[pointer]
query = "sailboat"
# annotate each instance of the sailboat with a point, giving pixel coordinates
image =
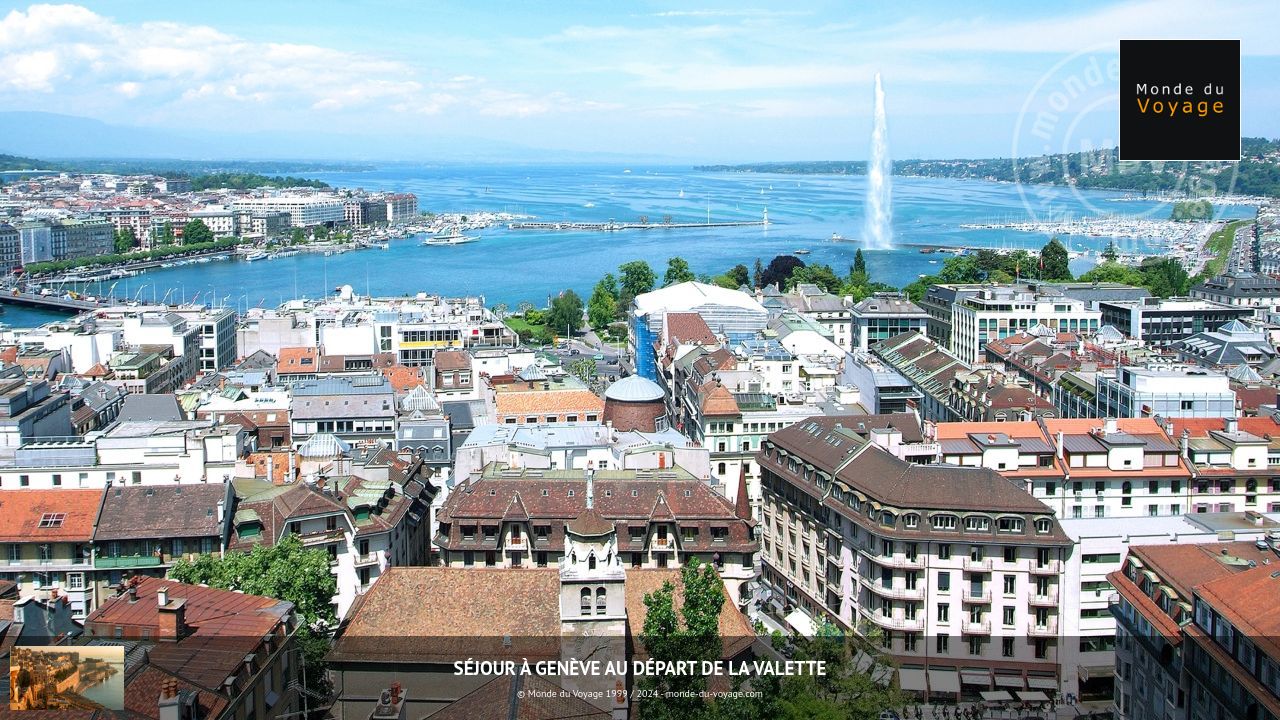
(681, 192)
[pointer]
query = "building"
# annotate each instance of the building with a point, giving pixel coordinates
(635, 403)
(48, 543)
(65, 239)
(304, 210)
(10, 248)
(958, 568)
(1235, 463)
(1164, 390)
(517, 517)
(724, 311)
(996, 312)
(929, 367)
(531, 397)
(401, 207)
(133, 216)
(1195, 629)
(30, 410)
(882, 316)
(366, 523)
(264, 223)
(880, 388)
(1260, 293)
(451, 374)
(417, 622)
(1164, 321)
(207, 653)
(222, 222)
(1229, 346)
(352, 408)
(828, 310)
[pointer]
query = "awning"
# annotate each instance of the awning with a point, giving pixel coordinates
(911, 679)
(976, 677)
(1009, 681)
(801, 623)
(1033, 696)
(996, 696)
(1044, 683)
(944, 681)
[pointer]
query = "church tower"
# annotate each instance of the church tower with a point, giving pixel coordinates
(593, 605)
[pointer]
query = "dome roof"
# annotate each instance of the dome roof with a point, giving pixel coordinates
(323, 445)
(634, 388)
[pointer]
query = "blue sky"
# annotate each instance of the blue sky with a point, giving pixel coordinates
(689, 80)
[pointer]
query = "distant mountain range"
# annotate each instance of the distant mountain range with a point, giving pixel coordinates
(52, 136)
(1258, 170)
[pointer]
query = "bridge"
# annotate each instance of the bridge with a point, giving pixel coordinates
(52, 302)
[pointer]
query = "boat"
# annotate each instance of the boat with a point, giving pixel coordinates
(451, 238)
(836, 237)
(255, 255)
(928, 250)
(802, 252)
(681, 192)
(589, 205)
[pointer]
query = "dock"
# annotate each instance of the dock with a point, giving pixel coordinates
(51, 302)
(612, 226)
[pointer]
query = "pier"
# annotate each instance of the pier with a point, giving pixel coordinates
(612, 226)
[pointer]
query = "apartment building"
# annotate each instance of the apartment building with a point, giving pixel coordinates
(352, 408)
(882, 316)
(10, 248)
(517, 517)
(1163, 321)
(206, 653)
(1235, 463)
(958, 568)
(724, 312)
(997, 312)
(366, 523)
(48, 543)
(30, 410)
(930, 368)
(1255, 291)
(304, 210)
(1165, 390)
(815, 304)
(1195, 629)
(401, 207)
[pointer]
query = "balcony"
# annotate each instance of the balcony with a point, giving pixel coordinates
(977, 596)
(324, 537)
(896, 593)
(897, 623)
(368, 559)
(893, 561)
(1052, 567)
(1048, 628)
(982, 627)
(1043, 600)
(517, 543)
(128, 561)
(50, 564)
(663, 544)
(972, 565)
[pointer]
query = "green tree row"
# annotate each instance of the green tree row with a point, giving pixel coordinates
(249, 181)
(197, 238)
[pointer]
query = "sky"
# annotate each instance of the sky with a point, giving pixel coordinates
(702, 81)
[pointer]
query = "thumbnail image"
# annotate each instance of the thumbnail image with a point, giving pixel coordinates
(66, 678)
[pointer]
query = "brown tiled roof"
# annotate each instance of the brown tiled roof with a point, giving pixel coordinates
(440, 614)
(1248, 600)
(1183, 566)
(452, 360)
(160, 512)
(98, 371)
(1200, 427)
(717, 400)
(402, 378)
(297, 360)
(589, 523)
(522, 697)
(142, 691)
(688, 328)
(736, 633)
(549, 402)
(24, 512)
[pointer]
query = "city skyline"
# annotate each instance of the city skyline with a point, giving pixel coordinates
(711, 82)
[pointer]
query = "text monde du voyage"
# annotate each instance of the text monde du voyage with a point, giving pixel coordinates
(1181, 99)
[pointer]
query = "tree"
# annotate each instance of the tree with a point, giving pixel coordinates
(1165, 277)
(166, 235)
(667, 639)
(739, 275)
(125, 241)
(1110, 254)
(565, 313)
(196, 232)
(321, 232)
(757, 274)
(779, 271)
(637, 278)
(1054, 261)
(1113, 272)
(286, 571)
(584, 368)
(523, 308)
(821, 275)
(677, 272)
(855, 684)
(859, 262)
(501, 310)
(297, 236)
(602, 308)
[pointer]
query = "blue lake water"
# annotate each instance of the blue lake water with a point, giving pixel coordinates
(514, 265)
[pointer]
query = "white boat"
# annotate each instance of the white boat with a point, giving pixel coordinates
(836, 237)
(452, 238)
(589, 205)
(255, 255)
(802, 252)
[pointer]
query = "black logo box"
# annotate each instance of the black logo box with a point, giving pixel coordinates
(1185, 67)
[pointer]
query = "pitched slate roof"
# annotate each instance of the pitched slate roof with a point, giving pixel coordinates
(161, 511)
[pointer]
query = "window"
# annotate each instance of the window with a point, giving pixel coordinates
(57, 480)
(585, 602)
(601, 602)
(1011, 525)
(944, 551)
(51, 520)
(24, 481)
(1006, 646)
(1010, 554)
(490, 558)
(1008, 616)
(944, 581)
(1010, 584)
(944, 613)
(941, 644)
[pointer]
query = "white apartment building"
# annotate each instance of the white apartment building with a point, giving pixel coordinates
(131, 453)
(304, 210)
(997, 312)
(959, 569)
(1165, 391)
(222, 222)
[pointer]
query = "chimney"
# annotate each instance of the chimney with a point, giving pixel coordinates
(172, 620)
(1059, 445)
(1232, 424)
(133, 594)
(170, 704)
(1185, 443)
(1110, 426)
(162, 595)
(222, 510)
(591, 486)
(391, 704)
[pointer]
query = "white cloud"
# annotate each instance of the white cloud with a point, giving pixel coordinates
(29, 71)
(129, 89)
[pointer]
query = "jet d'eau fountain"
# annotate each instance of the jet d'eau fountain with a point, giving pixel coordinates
(877, 232)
